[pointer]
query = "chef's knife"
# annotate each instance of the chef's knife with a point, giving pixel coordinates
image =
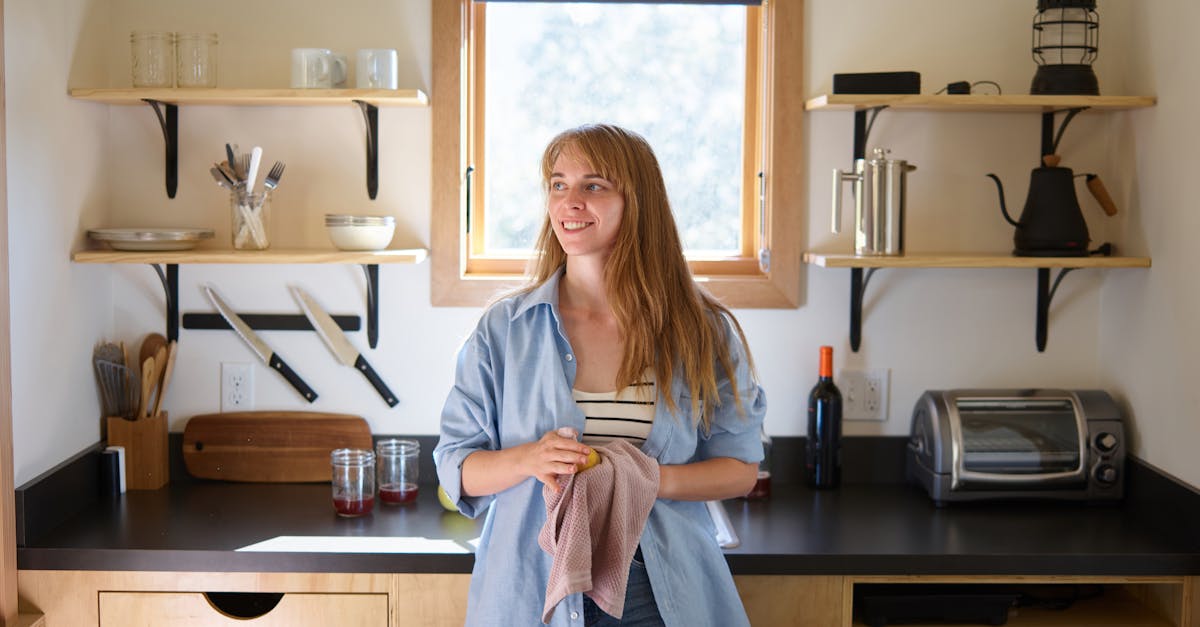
(264, 352)
(339, 345)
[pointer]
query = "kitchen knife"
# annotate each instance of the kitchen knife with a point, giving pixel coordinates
(264, 352)
(339, 345)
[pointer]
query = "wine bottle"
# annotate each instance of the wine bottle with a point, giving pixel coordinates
(823, 449)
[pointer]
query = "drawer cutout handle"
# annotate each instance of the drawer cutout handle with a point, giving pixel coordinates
(243, 604)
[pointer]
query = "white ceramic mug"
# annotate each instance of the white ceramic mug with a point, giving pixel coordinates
(317, 68)
(376, 68)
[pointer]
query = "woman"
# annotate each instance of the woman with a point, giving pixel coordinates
(610, 310)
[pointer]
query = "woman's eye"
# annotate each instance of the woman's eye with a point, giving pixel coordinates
(558, 186)
(595, 187)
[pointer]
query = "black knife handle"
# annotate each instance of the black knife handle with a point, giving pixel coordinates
(381, 387)
(293, 378)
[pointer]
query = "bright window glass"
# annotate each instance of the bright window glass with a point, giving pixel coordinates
(676, 74)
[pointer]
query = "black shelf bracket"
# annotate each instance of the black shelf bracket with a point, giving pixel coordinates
(170, 283)
(1045, 294)
(862, 129)
(372, 272)
(169, 121)
(858, 287)
(1050, 137)
(371, 117)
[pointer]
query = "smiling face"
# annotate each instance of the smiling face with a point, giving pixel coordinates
(585, 209)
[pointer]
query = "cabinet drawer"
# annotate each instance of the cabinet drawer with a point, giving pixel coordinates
(193, 609)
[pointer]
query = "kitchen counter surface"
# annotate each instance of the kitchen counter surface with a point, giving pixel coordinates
(858, 529)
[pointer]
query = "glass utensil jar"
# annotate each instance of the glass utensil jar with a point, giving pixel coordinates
(397, 464)
(353, 481)
(153, 57)
(250, 213)
(196, 59)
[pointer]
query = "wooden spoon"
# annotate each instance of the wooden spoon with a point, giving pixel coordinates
(150, 346)
(166, 376)
(160, 364)
(147, 386)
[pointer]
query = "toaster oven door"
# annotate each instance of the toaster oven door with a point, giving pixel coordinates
(1017, 443)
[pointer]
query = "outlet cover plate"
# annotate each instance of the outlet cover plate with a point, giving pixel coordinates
(237, 386)
(864, 394)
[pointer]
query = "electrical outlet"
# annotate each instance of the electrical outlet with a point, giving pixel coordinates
(864, 394)
(237, 386)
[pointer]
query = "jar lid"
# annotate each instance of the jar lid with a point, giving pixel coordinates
(345, 220)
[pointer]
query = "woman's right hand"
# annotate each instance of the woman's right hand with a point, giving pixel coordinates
(554, 454)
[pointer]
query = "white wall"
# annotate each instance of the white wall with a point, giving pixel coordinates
(56, 182)
(932, 328)
(1148, 327)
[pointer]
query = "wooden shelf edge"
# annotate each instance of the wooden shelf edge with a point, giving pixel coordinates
(955, 102)
(293, 256)
(254, 97)
(30, 620)
(960, 260)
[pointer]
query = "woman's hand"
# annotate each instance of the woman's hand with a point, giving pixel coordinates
(489, 472)
(554, 455)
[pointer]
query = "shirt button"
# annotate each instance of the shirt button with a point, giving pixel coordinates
(574, 615)
(570, 357)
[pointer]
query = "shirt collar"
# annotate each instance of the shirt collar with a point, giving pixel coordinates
(544, 294)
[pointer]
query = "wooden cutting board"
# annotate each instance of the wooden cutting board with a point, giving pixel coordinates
(269, 446)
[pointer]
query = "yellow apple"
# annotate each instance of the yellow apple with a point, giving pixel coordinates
(593, 458)
(444, 499)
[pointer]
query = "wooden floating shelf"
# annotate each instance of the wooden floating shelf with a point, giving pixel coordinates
(287, 256)
(255, 97)
(956, 260)
(969, 102)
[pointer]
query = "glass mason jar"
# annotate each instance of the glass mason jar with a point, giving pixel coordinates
(397, 464)
(196, 59)
(353, 481)
(251, 211)
(153, 57)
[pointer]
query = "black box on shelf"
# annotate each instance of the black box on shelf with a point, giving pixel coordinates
(877, 83)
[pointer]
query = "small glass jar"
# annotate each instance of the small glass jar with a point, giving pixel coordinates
(398, 470)
(196, 59)
(251, 211)
(353, 481)
(153, 58)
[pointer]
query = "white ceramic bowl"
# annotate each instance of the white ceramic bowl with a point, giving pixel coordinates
(360, 232)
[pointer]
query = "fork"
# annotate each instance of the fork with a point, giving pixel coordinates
(276, 173)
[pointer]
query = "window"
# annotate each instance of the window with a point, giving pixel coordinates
(499, 72)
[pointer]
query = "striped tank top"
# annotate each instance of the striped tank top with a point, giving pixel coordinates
(619, 415)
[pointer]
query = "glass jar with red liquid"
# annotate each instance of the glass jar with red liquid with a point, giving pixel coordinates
(762, 487)
(353, 481)
(397, 467)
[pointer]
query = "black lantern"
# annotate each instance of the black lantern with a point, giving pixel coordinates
(1065, 36)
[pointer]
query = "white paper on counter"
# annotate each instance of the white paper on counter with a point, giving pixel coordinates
(356, 544)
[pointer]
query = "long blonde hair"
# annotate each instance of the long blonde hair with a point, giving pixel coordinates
(669, 322)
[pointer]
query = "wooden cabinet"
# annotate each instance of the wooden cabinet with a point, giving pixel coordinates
(169, 599)
(196, 609)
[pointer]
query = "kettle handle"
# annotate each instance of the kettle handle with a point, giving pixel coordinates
(1003, 207)
(1100, 193)
(836, 214)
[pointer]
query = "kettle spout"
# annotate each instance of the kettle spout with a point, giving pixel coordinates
(1003, 207)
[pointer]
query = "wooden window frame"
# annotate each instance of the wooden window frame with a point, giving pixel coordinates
(738, 282)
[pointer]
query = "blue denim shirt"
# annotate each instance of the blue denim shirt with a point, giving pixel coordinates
(513, 384)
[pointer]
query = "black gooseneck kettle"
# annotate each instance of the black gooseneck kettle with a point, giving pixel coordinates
(1052, 224)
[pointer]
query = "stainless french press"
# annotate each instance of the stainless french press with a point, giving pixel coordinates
(880, 186)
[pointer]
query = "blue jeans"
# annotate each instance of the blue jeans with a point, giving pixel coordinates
(640, 608)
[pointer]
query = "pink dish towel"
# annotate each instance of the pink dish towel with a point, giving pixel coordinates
(593, 525)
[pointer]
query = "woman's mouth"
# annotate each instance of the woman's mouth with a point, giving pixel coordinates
(574, 225)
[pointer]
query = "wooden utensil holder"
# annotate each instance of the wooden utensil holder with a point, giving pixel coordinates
(145, 443)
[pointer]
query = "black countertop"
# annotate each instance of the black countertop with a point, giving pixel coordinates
(866, 527)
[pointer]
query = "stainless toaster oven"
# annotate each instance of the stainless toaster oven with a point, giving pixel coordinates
(969, 445)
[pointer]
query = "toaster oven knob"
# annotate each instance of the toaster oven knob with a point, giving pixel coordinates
(1106, 442)
(1105, 474)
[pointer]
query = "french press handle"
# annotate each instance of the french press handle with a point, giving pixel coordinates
(839, 177)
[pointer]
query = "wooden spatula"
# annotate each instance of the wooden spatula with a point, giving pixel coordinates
(165, 378)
